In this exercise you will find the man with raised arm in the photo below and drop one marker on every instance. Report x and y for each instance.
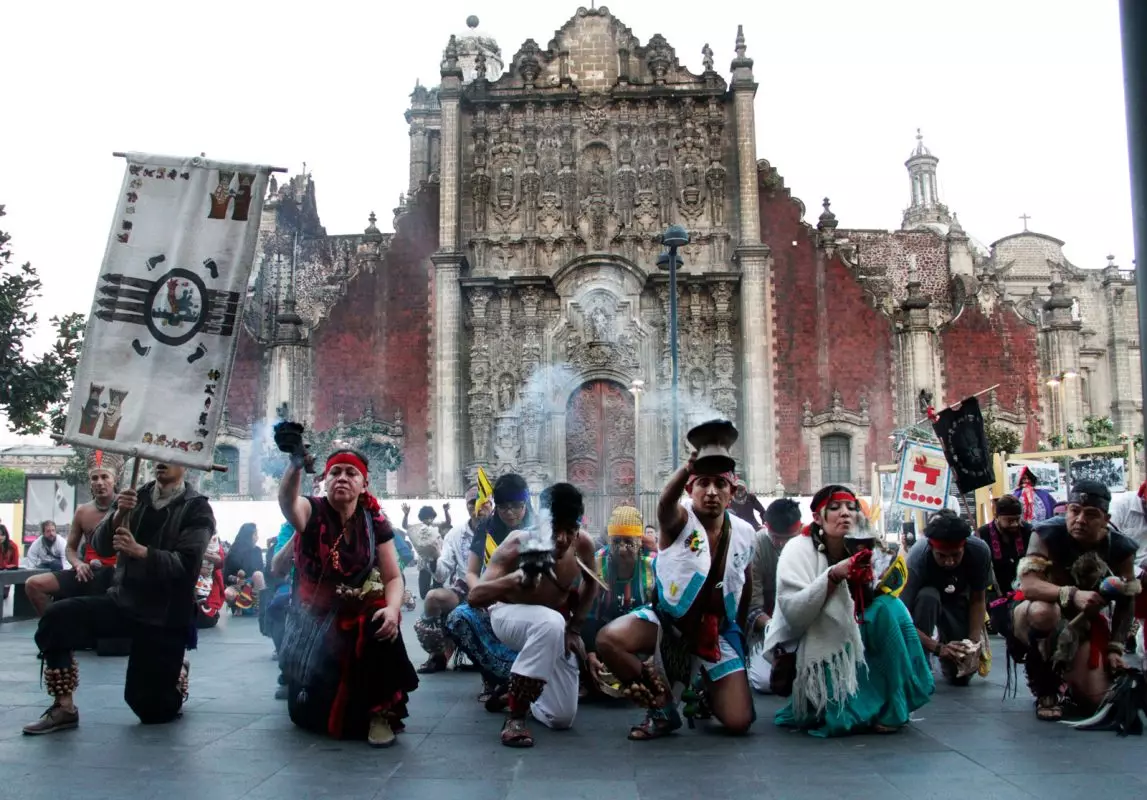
(704, 588)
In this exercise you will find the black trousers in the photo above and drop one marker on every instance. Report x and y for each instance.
(947, 614)
(153, 666)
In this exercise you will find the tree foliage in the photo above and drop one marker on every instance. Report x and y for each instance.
(11, 485)
(33, 391)
(1001, 438)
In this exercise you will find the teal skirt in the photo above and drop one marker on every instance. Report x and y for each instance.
(895, 681)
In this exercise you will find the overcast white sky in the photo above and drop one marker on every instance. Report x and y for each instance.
(1022, 100)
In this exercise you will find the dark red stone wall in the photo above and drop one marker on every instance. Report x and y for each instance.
(375, 344)
(827, 336)
(980, 351)
(244, 391)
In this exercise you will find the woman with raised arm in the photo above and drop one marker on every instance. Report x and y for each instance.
(343, 657)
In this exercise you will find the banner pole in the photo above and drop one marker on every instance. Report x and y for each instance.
(953, 405)
(117, 154)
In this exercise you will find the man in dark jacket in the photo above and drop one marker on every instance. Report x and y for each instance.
(159, 535)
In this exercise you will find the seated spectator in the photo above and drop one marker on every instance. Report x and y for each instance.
(9, 554)
(243, 571)
(48, 551)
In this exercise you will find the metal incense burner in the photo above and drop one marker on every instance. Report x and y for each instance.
(535, 560)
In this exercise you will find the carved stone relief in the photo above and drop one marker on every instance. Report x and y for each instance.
(596, 176)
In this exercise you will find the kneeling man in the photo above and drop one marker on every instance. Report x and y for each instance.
(541, 621)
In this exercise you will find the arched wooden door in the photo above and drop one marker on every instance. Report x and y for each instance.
(599, 448)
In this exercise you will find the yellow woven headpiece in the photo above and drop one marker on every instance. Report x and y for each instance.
(625, 521)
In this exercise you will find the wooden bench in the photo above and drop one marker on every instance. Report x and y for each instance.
(21, 606)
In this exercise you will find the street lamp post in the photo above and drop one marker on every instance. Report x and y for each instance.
(636, 388)
(675, 236)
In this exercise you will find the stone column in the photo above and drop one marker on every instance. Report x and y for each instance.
(419, 152)
(1060, 337)
(450, 155)
(1122, 333)
(758, 464)
(916, 347)
(449, 263)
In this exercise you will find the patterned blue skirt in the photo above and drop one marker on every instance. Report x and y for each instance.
(471, 630)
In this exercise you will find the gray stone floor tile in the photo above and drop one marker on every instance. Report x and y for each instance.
(447, 789)
(235, 738)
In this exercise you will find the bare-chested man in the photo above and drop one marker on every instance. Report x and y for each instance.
(542, 621)
(90, 574)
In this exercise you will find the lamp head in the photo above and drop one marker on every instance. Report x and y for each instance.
(675, 236)
(663, 261)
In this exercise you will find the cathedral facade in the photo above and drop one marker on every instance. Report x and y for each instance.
(517, 319)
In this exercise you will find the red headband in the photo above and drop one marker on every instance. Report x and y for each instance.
(728, 476)
(345, 458)
(947, 545)
(835, 497)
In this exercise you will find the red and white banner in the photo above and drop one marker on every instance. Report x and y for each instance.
(161, 337)
(924, 477)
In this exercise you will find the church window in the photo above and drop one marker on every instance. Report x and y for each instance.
(835, 459)
(227, 482)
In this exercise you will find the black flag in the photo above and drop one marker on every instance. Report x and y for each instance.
(965, 444)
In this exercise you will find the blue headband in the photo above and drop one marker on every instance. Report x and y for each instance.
(506, 495)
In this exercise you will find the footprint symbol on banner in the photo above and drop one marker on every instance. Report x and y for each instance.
(200, 351)
(140, 348)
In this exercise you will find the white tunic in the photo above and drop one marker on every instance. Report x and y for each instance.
(681, 569)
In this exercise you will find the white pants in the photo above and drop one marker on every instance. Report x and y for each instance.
(539, 635)
(760, 671)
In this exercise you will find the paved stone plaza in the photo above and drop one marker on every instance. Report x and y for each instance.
(235, 741)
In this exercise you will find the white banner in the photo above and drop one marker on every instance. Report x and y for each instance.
(924, 477)
(161, 337)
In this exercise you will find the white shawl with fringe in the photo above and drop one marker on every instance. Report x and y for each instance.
(819, 623)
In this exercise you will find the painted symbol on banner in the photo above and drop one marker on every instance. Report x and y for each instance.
(155, 261)
(212, 268)
(140, 349)
(107, 415)
(219, 198)
(924, 477)
(200, 351)
(174, 308)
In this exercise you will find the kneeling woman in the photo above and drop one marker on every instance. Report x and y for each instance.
(859, 665)
(346, 666)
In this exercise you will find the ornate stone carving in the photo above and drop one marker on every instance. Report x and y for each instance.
(531, 186)
(707, 57)
(481, 409)
(506, 189)
(837, 413)
(595, 116)
(480, 191)
(506, 392)
(715, 180)
(529, 63)
(596, 204)
(506, 444)
(692, 204)
(659, 58)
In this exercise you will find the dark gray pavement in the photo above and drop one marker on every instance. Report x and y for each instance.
(235, 740)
